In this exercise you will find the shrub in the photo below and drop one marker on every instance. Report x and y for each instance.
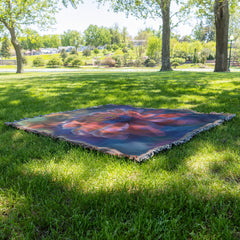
(118, 52)
(175, 64)
(126, 59)
(115, 46)
(109, 61)
(24, 60)
(86, 52)
(150, 62)
(178, 60)
(38, 62)
(125, 50)
(96, 50)
(109, 48)
(119, 60)
(131, 46)
(54, 62)
(97, 62)
(63, 54)
(76, 62)
(74, 51)
(68, 60)
(138, 62)
(105, 52)
(203, 59)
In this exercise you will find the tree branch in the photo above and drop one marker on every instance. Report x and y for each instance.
(5, 23)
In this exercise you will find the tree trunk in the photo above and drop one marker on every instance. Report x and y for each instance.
(165, 8)
(17, 48)
(221, 12)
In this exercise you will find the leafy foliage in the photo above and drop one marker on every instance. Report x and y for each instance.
(76, 62)
(154, 48)
(74, 51)
(109, 61)
(5, 49)
(150, 62)
(86, 52)
(71, 38)
(178, 60)
(175, 64)
(68, 60)
(97, 36)
(54, 62)
(20, 13)
(31, 40)
(73, 61)
(24, 60)
(38, 62)
(96, 50)
(63, 54)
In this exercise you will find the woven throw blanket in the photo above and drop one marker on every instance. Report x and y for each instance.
(136, 133)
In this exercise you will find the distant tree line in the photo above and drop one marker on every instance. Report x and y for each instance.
(93, 36)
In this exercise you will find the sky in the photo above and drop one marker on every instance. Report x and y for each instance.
(88, 13)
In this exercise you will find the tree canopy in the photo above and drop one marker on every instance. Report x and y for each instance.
(5, 49)
(97, 36)
(71, 38)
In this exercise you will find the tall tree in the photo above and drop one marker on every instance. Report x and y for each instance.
(51, 41)
(144, 34)
(72, 38)
(124, 35)
(166, 33)
(221, 10)
(97, 36)
(16, 15)
(33, 39)
(221, 13)
(115, 35)
(5, 49)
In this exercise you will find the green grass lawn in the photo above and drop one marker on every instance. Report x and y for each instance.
(53, 190)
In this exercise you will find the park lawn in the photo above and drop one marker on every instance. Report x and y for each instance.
(53, 190)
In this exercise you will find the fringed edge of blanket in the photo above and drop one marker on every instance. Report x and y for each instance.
(187, 137)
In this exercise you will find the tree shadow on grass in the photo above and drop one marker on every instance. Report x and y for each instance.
(47, 208)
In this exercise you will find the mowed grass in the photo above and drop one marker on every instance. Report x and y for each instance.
(53, 190)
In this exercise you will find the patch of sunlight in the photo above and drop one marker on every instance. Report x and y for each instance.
(9, 202)
(87, 178)
(218, 82)
(145, 98)
(66, 172)
(223, 188)
(5, 207)
(14, 102)
(115, 177)
(110, 98)
(93, 103)
(17, 135)
(193, 98)
(156, 90)
(200, 162)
